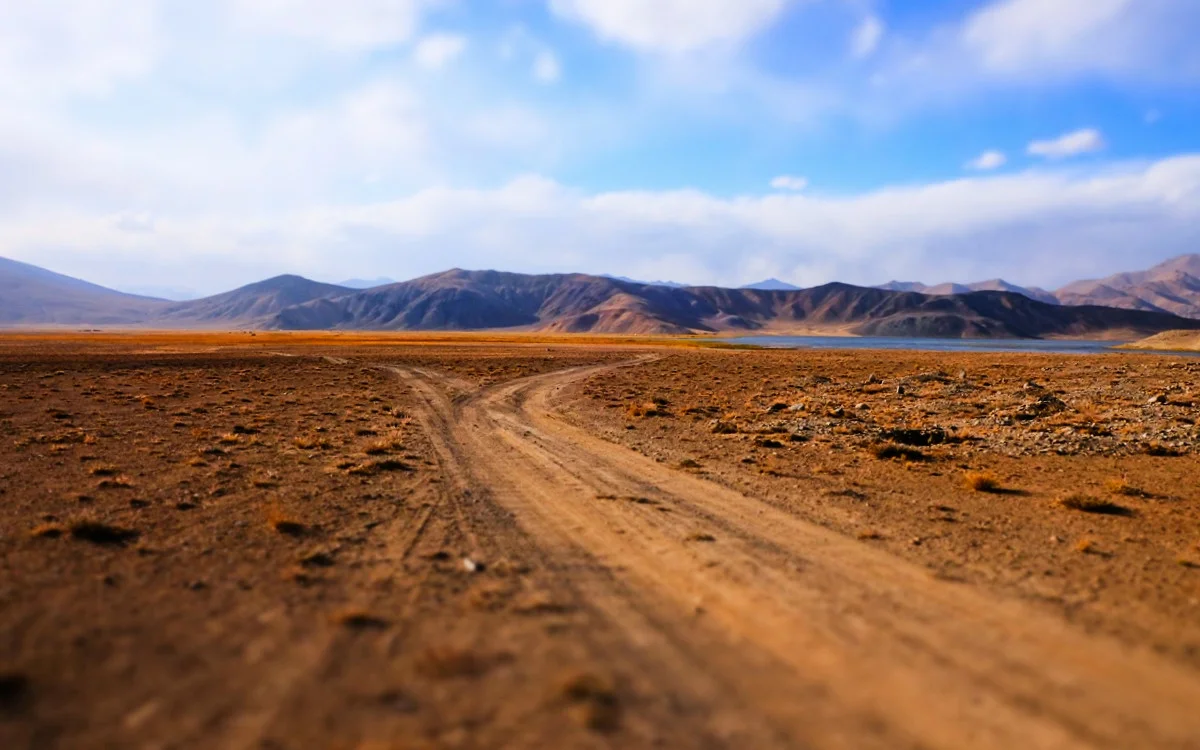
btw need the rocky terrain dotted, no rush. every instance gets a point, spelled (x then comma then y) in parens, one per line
(349, 540)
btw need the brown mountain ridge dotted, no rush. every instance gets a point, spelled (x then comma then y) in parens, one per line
(478, 300)
(572, 303)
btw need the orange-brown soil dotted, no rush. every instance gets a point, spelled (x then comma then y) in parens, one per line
(300, 542)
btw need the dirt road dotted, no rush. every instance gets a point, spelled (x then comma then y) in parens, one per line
(756, 629)
(432, 547)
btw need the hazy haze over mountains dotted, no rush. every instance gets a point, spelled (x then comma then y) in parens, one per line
(575, 303)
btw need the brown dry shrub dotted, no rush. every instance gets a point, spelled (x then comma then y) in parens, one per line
(982, 481)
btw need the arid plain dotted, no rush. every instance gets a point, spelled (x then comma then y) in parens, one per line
(345, 541)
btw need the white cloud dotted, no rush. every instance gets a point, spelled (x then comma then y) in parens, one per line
(346, 25)
(789, 182)
(672, 25)
(866, 37)
(437, 50)
(1075, 143)
(1048, 39)
(1013, 226)
(52, 49)
(546, 67)
(988, 160)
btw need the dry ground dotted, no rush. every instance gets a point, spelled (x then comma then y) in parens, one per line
(352, 542)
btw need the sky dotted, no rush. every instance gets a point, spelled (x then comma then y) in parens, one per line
(187, 148)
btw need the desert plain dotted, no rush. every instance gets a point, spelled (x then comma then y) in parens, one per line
(417, 541)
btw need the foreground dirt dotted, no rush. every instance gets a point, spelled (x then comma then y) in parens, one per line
(453, 545)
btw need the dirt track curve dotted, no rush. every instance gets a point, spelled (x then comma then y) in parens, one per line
(725, 622)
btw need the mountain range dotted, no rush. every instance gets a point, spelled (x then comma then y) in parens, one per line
(479, 300)
(1172, 286)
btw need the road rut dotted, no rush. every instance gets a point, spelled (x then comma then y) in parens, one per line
(765, 630)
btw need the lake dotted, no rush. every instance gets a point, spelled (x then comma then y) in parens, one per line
(1037, 346)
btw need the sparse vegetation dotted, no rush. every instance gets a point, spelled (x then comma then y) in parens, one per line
(982, 481)
(1089, 504)
(889, 451)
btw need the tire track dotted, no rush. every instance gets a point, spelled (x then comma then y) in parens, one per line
(849, 646)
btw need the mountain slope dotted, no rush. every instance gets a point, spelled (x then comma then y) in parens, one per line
(991, 285)
(1172, 286)
(475, 300)
(249, 305)
(30, 295)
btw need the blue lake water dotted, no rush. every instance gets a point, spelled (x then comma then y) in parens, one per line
(1038, 346)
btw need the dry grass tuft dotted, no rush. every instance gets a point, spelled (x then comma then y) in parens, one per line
(1123, 487)
(371, 468)
(311, 442)
(393, 441)
(1089, 504)
(285, 524)
(47, 531)
(889, 451)
(982, 481)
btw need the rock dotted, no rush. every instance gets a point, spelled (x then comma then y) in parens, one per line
(472, 566)
(776, 407)
(797, 407)
(862, 407)
(900, 390)
(837, 413)
(721, 427)
(1159, 399)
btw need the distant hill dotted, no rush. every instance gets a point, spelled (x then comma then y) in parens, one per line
(992, 285)
(672, 284)
(1172, 286)
(248, 306)
(772, 285)
(486, 300)
(30, 295)
(475, 300)
(366, 283)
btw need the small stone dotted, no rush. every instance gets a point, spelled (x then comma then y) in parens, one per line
(472, 566)
(900, 390)
(862, 407)
(1159, 399)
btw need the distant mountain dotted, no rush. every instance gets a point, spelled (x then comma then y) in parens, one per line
(171, 293)
(30, 295)
(772, 285)
(992, 285)
(250, 305)
(475, 300)
(366, 283)
(672, 284)
(481, 300)
(1172, 286)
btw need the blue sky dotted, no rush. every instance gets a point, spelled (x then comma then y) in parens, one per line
(165, 143)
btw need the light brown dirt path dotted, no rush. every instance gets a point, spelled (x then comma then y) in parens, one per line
(761, 620)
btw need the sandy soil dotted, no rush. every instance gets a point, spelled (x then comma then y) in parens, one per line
(305, 543)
